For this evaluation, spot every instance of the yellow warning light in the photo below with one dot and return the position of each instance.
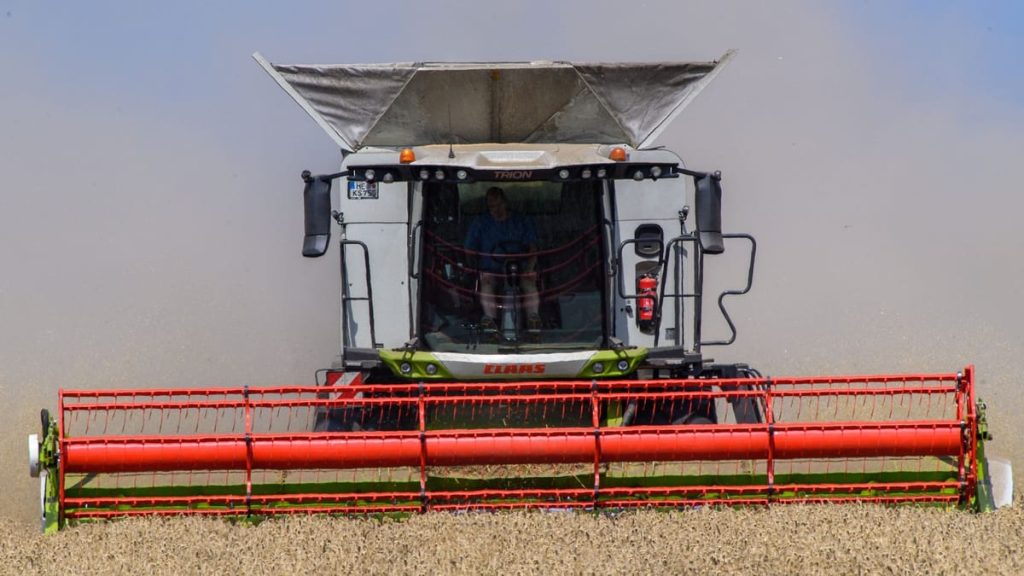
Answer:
(406, 156)
(619, 154)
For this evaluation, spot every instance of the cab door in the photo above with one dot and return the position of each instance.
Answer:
(376, 307)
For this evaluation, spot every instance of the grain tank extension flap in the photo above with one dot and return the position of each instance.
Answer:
(407, 104)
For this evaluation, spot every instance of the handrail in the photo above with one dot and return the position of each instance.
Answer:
(411, 248)
(744, 290)
(369, 289)
(664, 258)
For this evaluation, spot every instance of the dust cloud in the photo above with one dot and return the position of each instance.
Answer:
(150, 241)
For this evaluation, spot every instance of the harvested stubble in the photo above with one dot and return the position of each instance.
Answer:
(849, 539)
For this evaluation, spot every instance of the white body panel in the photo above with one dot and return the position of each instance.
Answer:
(500, 366)
(651, 202)
(382, 223)
(385, 218)
(389, 272)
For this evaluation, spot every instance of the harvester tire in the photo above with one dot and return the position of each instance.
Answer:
(692, 419)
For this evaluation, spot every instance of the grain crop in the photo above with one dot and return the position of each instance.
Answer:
(851, 539)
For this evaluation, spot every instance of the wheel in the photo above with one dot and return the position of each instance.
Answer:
(33, 455)
(337, 420)
(692, 419)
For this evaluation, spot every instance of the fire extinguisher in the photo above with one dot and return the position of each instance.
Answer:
(647, 290)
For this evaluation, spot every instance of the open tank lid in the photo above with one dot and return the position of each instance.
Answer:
(412, 104)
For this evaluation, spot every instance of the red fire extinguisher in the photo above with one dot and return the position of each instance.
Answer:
(647, 289)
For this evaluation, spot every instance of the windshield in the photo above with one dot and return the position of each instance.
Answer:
(511, 267)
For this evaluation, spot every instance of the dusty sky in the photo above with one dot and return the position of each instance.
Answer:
(150, 214)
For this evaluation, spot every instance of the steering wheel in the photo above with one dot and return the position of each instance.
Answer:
(509, 253)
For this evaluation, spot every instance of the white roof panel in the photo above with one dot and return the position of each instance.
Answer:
(411, 104)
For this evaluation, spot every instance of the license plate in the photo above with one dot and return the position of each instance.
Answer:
(362, 190)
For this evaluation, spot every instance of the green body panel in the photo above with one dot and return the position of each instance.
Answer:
(418, 362)
(48, 461)
(983, 501)
(610, 360)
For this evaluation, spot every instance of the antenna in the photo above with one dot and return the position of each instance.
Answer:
(451, 133)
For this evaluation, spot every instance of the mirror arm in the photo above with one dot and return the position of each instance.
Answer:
(717, 174)
(317, 208)
(307, 177)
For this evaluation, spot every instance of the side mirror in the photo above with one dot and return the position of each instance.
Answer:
(708, 202)
(317, 199)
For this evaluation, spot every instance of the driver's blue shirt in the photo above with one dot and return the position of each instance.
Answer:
(513, 235)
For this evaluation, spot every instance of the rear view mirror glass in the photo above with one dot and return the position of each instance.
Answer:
(709, 213)
(317, 199)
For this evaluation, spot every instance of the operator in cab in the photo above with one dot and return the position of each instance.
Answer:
(505, 243)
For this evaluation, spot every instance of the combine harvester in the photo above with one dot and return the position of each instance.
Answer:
(521, 327)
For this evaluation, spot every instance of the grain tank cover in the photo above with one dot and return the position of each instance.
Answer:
(410, 104)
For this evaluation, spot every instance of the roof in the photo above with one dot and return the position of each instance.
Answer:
(410, 104)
